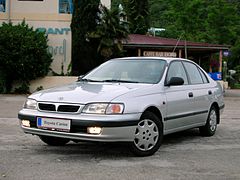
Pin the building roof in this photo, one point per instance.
(137, 40)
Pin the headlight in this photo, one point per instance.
(103, 108)
(30, 104)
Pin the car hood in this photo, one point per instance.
(86, 92)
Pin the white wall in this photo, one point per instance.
(106, 3)
(42, 7)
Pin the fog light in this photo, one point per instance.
(26, 123)
(94, 130)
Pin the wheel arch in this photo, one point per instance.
(156, 111)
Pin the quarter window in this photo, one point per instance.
(193, 73)
(176, 69)
(2, 6)
(205, 80)
(65, 6)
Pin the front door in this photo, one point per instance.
(179, 100)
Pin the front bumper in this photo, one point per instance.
(115, 128)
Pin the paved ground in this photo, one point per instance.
(183, 155)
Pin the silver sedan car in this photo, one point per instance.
(136, 100)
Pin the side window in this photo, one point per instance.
(2, 6)
(65, 6)
(176, 69)
(193, 73)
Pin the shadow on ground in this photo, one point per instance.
(111, 150)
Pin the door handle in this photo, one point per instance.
(209, 92)
(190, 94)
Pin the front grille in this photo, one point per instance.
(47, 107)
(68, 108)
(56, 107)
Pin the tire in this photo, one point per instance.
(211, 125)
(148, 135)
(54, 141)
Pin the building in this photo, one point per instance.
(201, 53)
(52, 16)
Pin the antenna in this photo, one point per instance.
(177, 42)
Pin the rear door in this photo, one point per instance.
(201, 90)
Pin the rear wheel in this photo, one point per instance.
(211, 125)
(54, 141)
(148, 135)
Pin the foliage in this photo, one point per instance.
(237, 75)
(236, 86)
(138, 16)
(39, 88)
(198, 20)
(97, 35)
(115, 4)
(23, 89)
(23, 55)
(109, 33)
(215, 21)
(235, 57)
(2, 81)
(84, 20)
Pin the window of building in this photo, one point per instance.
(65, 6)
(2, 6)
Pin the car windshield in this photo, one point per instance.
(128, 71)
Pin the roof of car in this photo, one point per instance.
(168, 59)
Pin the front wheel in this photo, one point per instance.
(54, 141)
(148, 135)
(211, 125)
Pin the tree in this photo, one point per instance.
(97, 35)
(157, 10)
(115, 4)
(138, 16)
(223, 22)
(84, 20)
(109, 33)
(23, 56)
(215, 21)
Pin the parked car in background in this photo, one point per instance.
(135, 100)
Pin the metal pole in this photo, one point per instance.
(185, 49)
(220, 61)
(9, 11)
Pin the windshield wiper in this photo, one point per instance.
(89, 80)
(120, 81)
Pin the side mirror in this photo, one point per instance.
(80, 78)
(175, 81)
